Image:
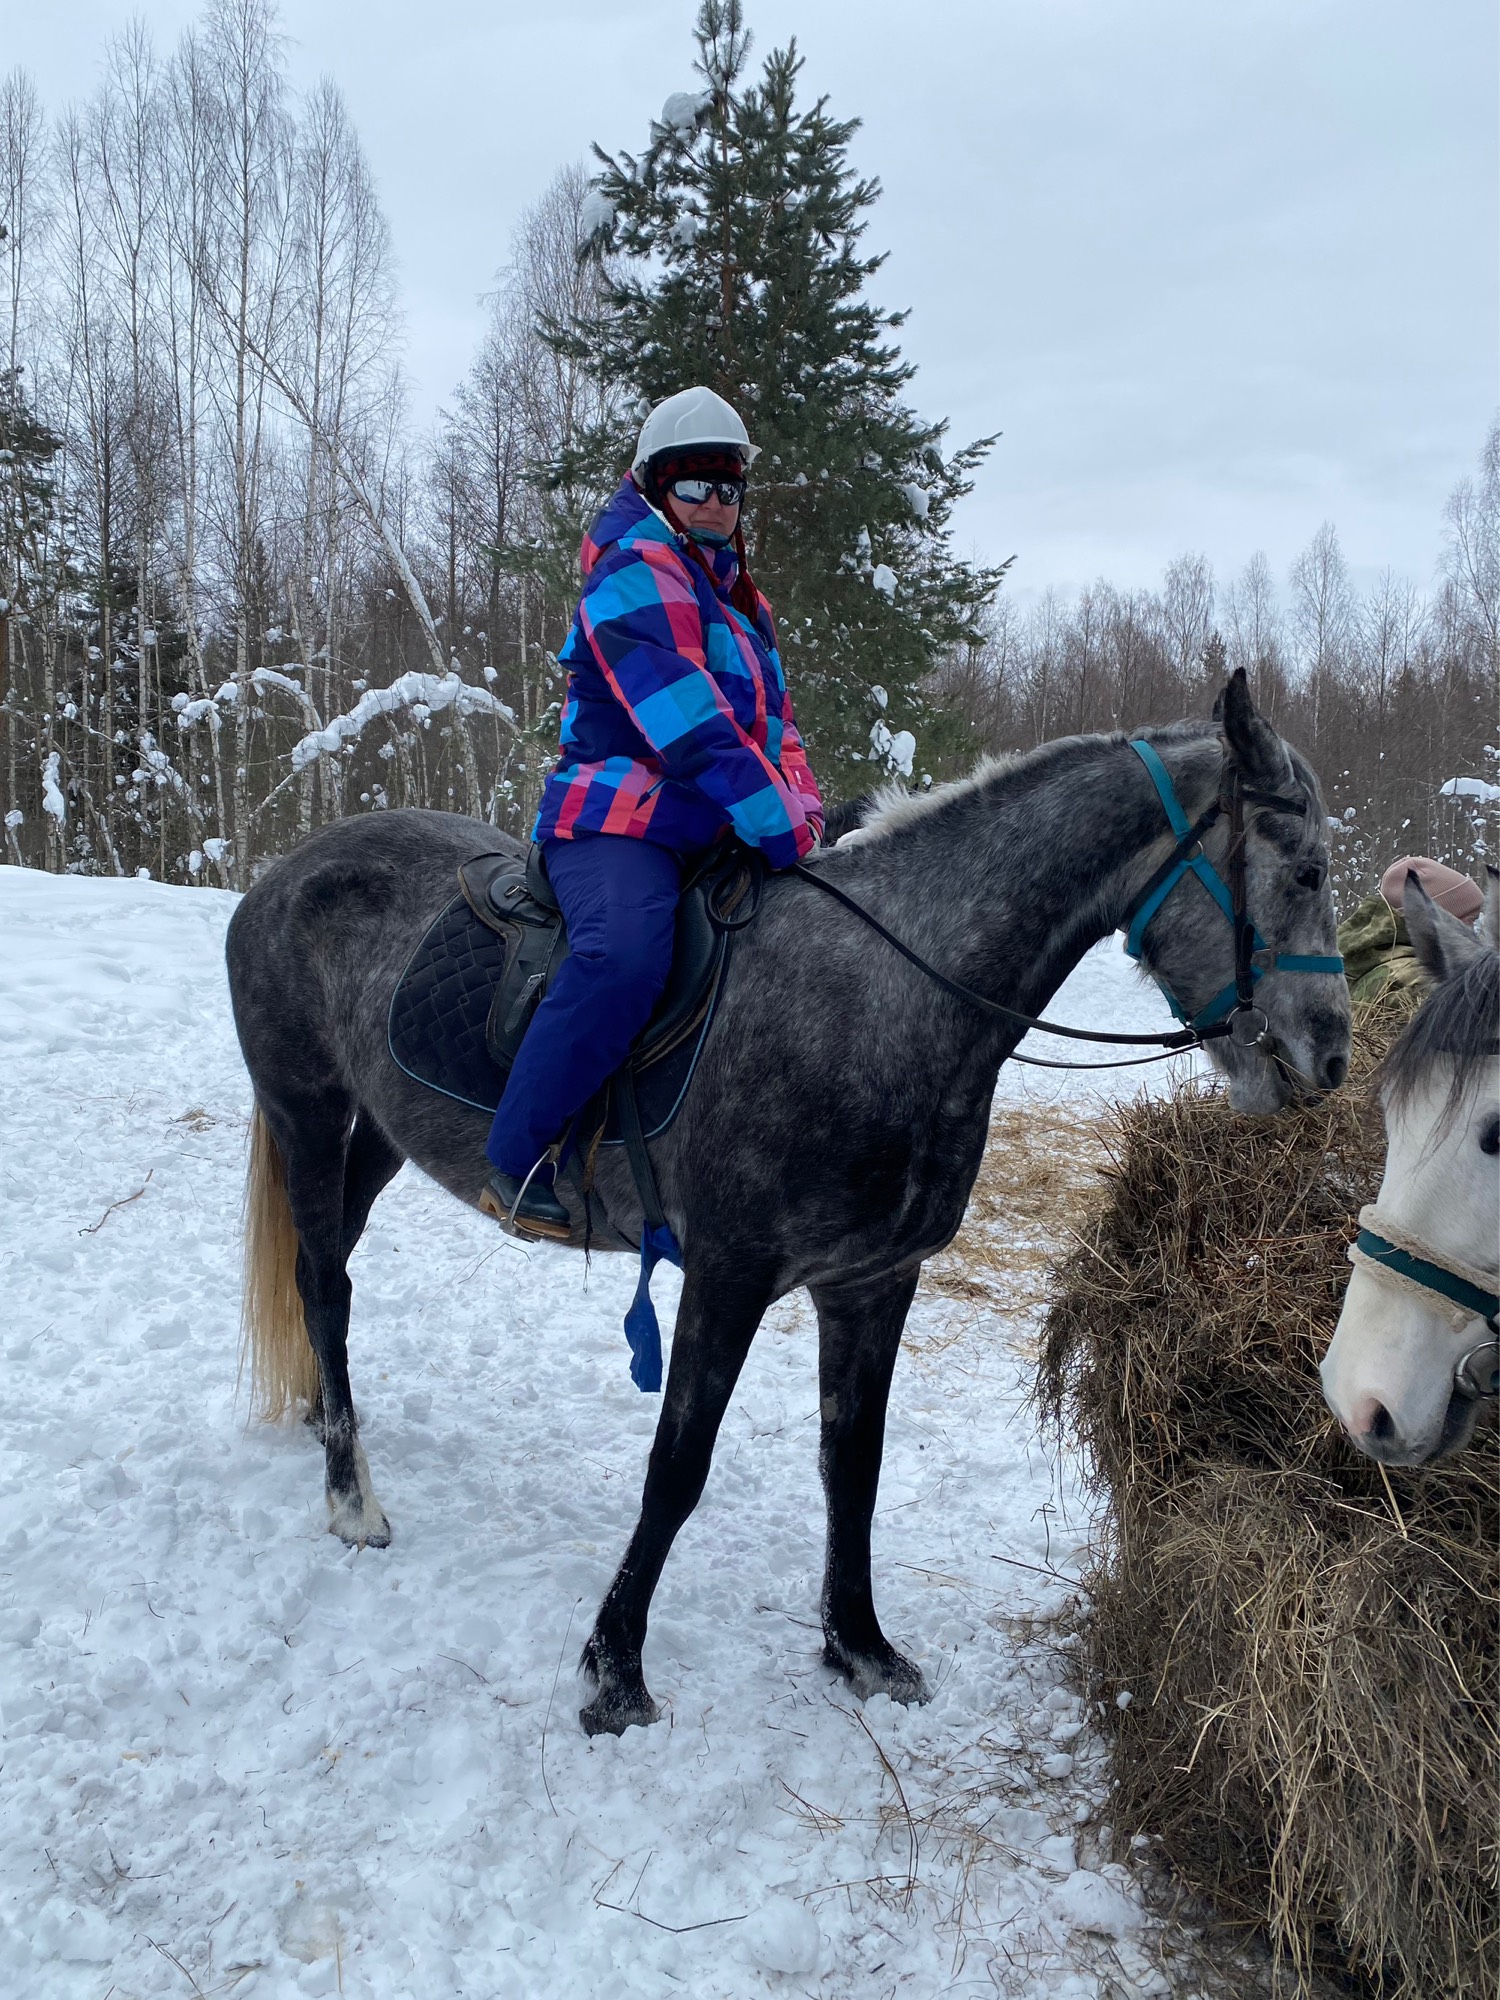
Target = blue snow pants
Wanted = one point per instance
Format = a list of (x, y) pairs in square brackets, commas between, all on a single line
[(620, 898)]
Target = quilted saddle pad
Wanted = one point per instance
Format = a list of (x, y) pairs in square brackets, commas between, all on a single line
[(438, 1015)]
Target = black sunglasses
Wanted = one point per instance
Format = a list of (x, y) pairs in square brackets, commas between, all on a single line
[(695, 492)]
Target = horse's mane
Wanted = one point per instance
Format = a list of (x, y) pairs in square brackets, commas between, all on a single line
[(1458, 1023), (893, 807)]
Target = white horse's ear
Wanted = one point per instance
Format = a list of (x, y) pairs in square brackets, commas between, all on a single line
[(1250, 740), (1488, 926), (1443, 945)]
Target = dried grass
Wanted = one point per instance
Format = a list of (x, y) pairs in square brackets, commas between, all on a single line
[(1309, 1643), (1040, 1166)]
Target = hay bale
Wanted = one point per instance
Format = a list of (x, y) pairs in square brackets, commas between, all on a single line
[(1308, 1642)]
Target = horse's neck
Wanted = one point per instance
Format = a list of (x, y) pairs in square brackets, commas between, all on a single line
[(1014, 876)]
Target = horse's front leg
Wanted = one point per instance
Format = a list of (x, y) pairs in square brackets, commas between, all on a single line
[(859, 1332), (716, 1323)]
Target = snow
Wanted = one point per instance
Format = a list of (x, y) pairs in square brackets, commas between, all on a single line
[(918, 499), (228, 1742), (896, 749), (1469, 788), (53, 801), (683, 109), (884, 580), (596, 217), (424, 694), (262, 678)]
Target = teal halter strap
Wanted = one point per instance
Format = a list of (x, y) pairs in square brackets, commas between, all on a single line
[(1476, 1375), (1431, 1277)]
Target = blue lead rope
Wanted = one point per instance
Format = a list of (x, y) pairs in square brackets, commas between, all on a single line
[(642, 1329)]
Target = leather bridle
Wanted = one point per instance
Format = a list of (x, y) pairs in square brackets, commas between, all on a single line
[(1232, 1012)]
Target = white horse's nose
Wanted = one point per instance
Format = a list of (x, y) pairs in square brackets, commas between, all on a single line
[(1373, 1429)]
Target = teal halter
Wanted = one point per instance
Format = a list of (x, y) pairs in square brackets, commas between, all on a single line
[(1253, 958), (1477, 1375)]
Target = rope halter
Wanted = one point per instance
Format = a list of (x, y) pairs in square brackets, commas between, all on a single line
[(1460, 1293)]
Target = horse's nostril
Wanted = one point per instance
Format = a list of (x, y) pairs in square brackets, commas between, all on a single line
[(1380, 1427), (1335, 1069)]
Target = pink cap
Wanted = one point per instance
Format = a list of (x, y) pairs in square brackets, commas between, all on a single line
[(1448, 889)]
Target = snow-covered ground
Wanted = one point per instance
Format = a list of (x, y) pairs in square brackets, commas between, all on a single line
[(237, 1758)]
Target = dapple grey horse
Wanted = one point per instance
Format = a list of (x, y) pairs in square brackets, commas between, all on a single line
[(838, 1117)]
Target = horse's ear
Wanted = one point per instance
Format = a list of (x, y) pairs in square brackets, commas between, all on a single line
[(1250, 740), (1443, 945), (1488, 926)]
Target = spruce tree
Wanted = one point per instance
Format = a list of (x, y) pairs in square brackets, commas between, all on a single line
[(735, 255)]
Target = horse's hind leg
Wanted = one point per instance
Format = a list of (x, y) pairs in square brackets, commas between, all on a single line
[(859, 1333), (335, 1166)]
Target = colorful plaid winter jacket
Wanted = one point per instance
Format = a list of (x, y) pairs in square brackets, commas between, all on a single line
[(677, 722)]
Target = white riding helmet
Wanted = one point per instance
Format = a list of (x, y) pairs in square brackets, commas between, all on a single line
[(692, 417)]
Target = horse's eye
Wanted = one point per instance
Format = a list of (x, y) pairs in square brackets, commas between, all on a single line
[(1310, 875), (1489, 1138)]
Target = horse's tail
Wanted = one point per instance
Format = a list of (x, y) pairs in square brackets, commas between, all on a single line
[(273, 1332)]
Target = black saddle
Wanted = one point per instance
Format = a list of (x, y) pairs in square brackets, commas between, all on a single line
[(469, 991)]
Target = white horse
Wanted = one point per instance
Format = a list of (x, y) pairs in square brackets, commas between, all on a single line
[(1415, 1354)]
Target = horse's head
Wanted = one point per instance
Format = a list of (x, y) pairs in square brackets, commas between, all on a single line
[(1294, 1042), (1409, 1363)]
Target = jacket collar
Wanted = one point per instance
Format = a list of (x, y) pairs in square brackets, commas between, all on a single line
[(628, 517)]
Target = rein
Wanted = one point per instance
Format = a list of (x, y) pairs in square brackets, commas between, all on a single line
[(1464, 1295), (1233, 1012), (1183, 1038)]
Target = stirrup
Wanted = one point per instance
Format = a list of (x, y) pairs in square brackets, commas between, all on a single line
[(529, 1228)]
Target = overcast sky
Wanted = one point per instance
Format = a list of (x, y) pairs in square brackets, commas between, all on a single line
[(1219, 272)]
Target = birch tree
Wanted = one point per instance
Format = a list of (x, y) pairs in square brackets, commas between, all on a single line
[(245, 269)]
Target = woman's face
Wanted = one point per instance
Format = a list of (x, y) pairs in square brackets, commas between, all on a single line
[(713, 516)]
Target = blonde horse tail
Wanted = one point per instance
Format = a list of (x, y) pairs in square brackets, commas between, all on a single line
[(273, 1333)]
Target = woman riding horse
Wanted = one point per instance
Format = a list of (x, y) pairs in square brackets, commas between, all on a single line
[(676, 731)]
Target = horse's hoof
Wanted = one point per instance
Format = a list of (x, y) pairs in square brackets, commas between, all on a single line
[(358, 1524), (887, 1672), (614, 1710)]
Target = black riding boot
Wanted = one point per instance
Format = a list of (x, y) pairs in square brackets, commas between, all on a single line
[(526, 1209)]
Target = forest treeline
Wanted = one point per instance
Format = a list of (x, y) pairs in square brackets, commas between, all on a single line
[(1394, 694), (238, 596)]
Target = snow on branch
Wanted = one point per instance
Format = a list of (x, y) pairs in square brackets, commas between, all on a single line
[(596, 217), (896, 750), (189, 710), (682, 111), (428, 693), (52, 799)]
